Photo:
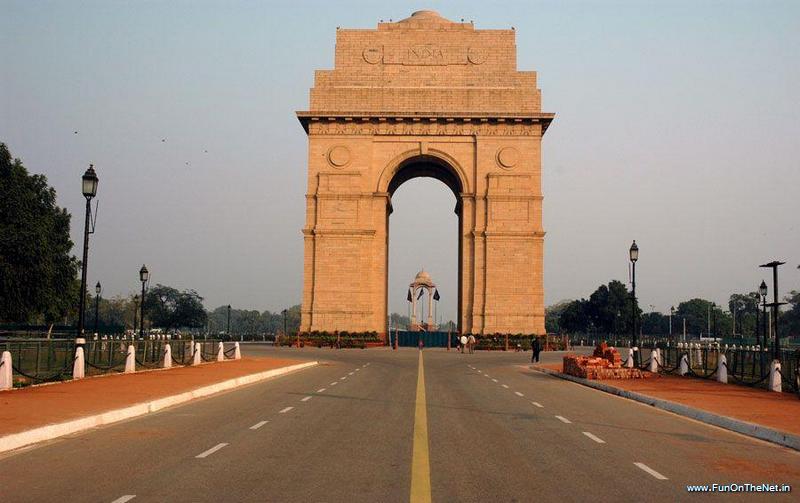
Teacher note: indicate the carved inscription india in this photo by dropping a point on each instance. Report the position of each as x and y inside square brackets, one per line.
[424, 55]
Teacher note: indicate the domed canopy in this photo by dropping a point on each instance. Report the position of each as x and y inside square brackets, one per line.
[422, 279]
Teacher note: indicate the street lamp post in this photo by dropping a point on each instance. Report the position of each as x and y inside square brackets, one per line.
[775, 305]
[762, 290]
[228, 330]
[284, 312]
[89, 189]
[634, 256]
[671, 314]
[97, 290]
[144, 275]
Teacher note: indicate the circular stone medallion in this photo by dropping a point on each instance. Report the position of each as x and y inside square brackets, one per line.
[338, 156]
[507, 157]
[373, 55]
[476, 56]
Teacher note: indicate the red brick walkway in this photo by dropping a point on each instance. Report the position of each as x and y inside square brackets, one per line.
[779, 411]
[27, 408]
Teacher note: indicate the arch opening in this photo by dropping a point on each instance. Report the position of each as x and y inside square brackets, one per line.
[426, 167]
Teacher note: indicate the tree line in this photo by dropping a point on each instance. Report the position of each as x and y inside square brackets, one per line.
[609, 310]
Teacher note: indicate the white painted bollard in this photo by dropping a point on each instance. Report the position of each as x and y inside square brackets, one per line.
[197, 349]
[6, 372]
[130, 360]
[775, 377]
[78, 366]
[722, 369]
[684, 367]
[629, 361]
[653, 367]
[220, 352]
[167, 356]
[237, 354]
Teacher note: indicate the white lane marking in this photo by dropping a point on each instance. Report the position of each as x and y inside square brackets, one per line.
[350, 373]
[258, 425]
[366, 364]
[594, 437]
[494, 380]
[518, 393]
[563, 419]
[651, 471]
[505, 386]
[320, 390]
[358, 369]
[343, 378]
[334, 383]
[123, 499]
[211, 451]
[285, 410]
[305, 399]
[538, 405]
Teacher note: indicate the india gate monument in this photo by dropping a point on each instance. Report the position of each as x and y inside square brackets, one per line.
[424, 97]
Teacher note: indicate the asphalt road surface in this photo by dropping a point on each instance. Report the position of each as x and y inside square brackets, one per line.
[382, 426]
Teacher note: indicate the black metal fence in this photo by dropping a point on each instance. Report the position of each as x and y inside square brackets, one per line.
[37, 361]
[745, 365]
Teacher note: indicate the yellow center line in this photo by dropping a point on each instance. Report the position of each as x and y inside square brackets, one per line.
[420, 463]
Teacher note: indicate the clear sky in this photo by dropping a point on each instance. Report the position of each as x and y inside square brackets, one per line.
[678, 125]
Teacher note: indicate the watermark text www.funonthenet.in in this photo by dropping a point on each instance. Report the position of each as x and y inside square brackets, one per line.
[740, 488]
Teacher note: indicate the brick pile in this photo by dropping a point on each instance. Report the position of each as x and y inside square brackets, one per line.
[605, 363]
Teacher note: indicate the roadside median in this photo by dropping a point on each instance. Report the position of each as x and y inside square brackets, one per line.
[39, 413]
[753, 412]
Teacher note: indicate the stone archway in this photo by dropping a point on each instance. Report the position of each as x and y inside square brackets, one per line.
[424, 97]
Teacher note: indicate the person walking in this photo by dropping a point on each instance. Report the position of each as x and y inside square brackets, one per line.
[536, 348]
[463, 342]
[421, 344]
[471, 343]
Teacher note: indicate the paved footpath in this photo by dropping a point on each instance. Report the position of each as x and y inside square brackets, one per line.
[379, 425]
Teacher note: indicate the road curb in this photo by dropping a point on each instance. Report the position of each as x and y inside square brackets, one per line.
[51, 431]
[750, 429]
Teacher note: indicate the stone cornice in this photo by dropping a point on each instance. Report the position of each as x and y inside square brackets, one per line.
[390, 119]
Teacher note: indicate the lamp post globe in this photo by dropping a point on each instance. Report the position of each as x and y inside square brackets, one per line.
[98, 288]
[89, 182]
[144, 276]
[634, 252]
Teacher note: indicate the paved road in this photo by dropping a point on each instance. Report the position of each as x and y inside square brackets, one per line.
[364, 426]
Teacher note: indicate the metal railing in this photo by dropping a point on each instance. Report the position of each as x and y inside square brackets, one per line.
[36, 361]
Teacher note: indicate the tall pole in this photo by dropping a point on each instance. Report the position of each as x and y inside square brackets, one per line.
[141, 314]
[82, 302]
[228, 330]
[96, 309]
[756, 329]
[775, 312]
[89, 182]
[764, 322]
[775, 305]
[633, 313]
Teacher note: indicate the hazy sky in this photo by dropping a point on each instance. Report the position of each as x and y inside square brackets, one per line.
[678, 125]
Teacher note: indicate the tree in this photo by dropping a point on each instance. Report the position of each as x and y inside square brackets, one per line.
[400, 321]
[166, 307]
[575, 317]
[552, 315]
[38, 276]
[790, 320]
